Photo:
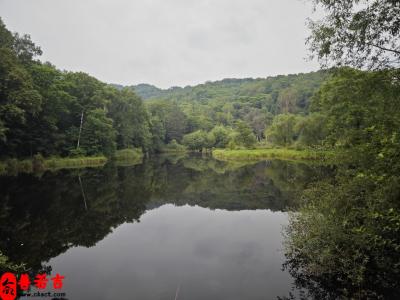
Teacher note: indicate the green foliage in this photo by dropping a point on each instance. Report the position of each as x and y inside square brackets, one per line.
[197, 140]
[7, 266]
[223, 103]
[12, 166]
[263, 154]
[244, 137]
[76, 162]
[360, 106]
[18, 100]
[347, 237]
[128, 157]
[283, 130]
[312, 130]
[130, 119]
[98, 134]
[172, 121]
[147, 91]
[77, 152]
[53, 112]
[45, 110]
[221, 136]
[358, 33]
[345, 242]
[26, 166]
[173, 146]
[157, 131]
[38, 163]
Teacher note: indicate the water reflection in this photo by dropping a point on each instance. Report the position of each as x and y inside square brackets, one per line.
[209, 253]
[206, 255]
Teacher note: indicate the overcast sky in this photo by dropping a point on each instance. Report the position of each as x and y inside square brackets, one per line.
[167, 42]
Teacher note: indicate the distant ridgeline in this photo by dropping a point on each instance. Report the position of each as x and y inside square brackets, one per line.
[301, 86]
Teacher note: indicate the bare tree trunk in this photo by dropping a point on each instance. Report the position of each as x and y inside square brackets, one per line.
[83, 192]
[80, 131]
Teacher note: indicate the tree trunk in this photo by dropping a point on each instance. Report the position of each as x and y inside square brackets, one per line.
[80, 131]
[83, 192]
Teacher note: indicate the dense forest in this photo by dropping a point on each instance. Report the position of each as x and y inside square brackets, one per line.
[345, 242]
[52, 112]
[231, 112]
[59, 113]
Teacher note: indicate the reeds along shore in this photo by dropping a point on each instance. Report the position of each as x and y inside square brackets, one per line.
[278, 153]
[38, 163]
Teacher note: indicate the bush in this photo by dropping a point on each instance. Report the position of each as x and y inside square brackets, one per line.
[38, 163]
[25, 166]
[174, 146]
[51, 163]
[245, 136]
[232, 145]
[196, 140]
[12, 166]
[77, 152]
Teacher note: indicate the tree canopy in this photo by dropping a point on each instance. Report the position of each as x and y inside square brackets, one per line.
[52, 112]
[357, 33]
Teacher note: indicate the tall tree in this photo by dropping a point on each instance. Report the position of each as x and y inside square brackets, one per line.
[98, 134]
[283, 130]
[131, 119]
[357, 33]
[245, 136]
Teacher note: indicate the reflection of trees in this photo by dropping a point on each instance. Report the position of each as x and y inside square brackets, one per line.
[344, 243]
[216, 184]
[43, 217]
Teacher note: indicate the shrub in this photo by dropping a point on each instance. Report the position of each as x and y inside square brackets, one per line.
[25, 166]
[77, 152]
[38, 163]
[12, 166]
[174, 146]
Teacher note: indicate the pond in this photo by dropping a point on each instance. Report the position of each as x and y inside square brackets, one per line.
[180, 227]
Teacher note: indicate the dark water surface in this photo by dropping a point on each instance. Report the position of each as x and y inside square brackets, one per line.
[170, 228]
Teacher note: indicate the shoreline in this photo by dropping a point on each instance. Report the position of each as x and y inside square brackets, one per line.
[15, 166]
[272, 153]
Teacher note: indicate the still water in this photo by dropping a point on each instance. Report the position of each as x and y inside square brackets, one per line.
[168, 228]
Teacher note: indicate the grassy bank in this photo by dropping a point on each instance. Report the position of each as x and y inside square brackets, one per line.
[14, 166]
[262, 154]
[74, 162]
[39, 164]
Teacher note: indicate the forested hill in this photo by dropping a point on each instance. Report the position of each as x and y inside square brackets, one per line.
[228, 108]
[301, 86]
[147, 91]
